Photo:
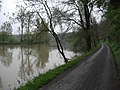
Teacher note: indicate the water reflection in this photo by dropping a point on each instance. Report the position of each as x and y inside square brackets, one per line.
[0, 83]
[25, 66]
[42, 53]
[20, 64]
[32, 57]
[5, 56]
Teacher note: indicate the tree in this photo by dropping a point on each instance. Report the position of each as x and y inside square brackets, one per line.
[103, 30]
[41, 33]
[76, 41]
[115, 3]
[113, 17]
[21, 18]
[43, 10]
[80, 13]
[28, 21]
[5, 31]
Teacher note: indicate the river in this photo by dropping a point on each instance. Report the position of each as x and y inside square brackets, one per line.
[19, 64]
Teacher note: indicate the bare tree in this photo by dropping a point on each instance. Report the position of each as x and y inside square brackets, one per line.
[47, 13]
[28, 21]
[21, 18]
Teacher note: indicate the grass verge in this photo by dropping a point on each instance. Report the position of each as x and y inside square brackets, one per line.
[43, 79]
[116, 52]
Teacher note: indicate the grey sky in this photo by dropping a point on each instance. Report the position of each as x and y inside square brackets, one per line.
[9, 7]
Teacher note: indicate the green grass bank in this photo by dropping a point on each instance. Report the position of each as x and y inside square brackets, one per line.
[43, 79]
[116, 52]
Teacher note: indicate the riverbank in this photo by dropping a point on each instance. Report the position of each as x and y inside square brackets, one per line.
[43, 79]
[22, 43]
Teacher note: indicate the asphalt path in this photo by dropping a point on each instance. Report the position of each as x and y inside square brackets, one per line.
[98, 72]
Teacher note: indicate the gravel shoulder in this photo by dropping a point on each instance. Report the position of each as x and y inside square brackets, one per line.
[98, 72]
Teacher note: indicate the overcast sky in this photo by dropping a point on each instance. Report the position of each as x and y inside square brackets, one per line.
[9, 7]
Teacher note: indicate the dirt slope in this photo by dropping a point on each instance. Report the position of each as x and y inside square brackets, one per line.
[98, 72]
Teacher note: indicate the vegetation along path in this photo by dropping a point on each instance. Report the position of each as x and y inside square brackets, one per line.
[98, 72]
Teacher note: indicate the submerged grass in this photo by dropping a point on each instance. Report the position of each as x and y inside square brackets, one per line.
[43, 79]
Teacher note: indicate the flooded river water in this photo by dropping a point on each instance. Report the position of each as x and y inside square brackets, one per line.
[19, 64]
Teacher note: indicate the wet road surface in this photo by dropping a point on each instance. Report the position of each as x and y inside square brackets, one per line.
[98, 72]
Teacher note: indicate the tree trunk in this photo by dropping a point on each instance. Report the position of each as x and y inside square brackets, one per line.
[87, 29]
[59, 46]
[21, 31]
[88, 41]
[3, 38]
[93, 39]
[51, 30]
[28, 38]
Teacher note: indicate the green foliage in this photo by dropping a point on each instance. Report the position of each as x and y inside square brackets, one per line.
[76, 41]
[43, 79]
[6, 38]
[113, 16]
[11, 39]
[41, 34]
[5, 31]
[116, 52]
[6, 27]
[103, 30]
